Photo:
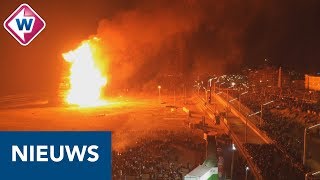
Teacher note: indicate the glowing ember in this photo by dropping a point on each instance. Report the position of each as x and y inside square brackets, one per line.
[86, 79]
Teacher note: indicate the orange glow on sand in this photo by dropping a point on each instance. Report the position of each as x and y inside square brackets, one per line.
[86, 78]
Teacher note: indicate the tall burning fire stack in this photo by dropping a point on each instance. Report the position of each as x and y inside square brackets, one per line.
[86, 78]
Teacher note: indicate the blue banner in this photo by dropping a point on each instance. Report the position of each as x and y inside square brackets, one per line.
[55, 155]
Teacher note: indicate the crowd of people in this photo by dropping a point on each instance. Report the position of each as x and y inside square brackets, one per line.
[282, 113]
[271, 162]
[158, 157]
[284, 119]
[287, 133]
[240, 170]
[286, 112]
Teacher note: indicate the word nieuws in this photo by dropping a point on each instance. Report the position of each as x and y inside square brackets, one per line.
[42, 153]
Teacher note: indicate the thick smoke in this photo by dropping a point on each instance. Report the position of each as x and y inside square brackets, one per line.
[175, 37]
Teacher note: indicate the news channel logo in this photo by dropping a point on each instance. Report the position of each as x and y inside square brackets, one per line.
[55, 155]
[24, 24]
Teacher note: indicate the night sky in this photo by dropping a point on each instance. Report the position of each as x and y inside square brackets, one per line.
[216, 36]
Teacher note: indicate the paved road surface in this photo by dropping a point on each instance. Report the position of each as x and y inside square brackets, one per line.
[235, 123]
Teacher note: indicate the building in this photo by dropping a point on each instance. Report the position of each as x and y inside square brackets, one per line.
[312, 82]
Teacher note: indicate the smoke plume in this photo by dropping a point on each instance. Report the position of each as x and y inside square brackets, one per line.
[185, 37]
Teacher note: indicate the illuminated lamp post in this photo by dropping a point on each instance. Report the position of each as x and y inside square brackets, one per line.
[232, 85]
[210, 86]
[247, 124]
[240, 100]
[220, 85]
[247, 169]
[214, 86]
[261, 111]
[304, 141]
[232, 162]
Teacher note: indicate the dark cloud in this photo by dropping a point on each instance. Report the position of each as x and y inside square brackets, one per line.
[285, 32]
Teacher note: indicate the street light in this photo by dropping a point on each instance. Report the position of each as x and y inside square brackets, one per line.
[228, 102]
[234, 147]
[233, 100]
[210, 85]
[305, 139]
[214, 84]
[232, 162]
[206, 94]
[198, 88]
[239, 99]
[159, 88]
[247, 124]
[228, 91]
[262, 111]
[247, 169]
[220, 85]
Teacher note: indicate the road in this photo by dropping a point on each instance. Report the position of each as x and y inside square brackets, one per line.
[235, 124]
[237, 128]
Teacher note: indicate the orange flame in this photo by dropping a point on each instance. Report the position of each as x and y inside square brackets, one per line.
[86, 80]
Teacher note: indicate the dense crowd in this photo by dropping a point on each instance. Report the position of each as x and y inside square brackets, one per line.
[157, 157]
[240, 170]
[283, 120]
[284, 100]
[281, 113]
[272, 163]
[287, 133]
